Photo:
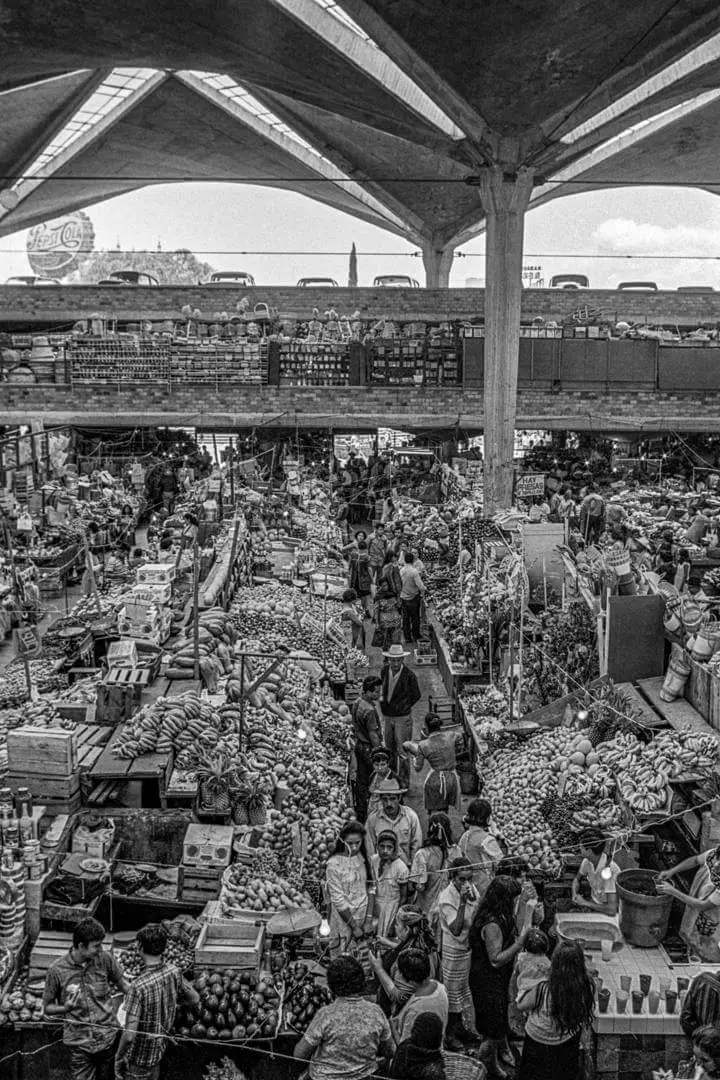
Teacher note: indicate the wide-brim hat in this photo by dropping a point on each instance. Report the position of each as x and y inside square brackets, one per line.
[389, 786]
[396, 652]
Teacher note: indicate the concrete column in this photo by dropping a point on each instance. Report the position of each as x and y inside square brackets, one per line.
[438, 263]
[505, 198]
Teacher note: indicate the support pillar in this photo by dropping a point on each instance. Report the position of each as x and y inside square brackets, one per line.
[505, 198]
[438, 264]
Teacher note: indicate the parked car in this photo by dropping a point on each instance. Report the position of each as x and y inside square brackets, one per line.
[233, 277]
[31, 279]
[317, 283]
[569, 281]
[394, 281]
[700, 289]
[637, 286]
[129, 277]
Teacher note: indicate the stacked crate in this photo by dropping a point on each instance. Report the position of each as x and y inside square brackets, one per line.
[45, 760]
[207, 850]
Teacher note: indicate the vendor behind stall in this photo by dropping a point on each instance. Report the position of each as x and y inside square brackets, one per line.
[700, 926]
[599, 871]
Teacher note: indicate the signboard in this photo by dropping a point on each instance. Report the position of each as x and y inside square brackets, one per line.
[55, 248]
[529, 485]
[27, 642]
[532, 277]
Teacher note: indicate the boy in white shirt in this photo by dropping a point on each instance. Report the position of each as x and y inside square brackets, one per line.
[599, 871]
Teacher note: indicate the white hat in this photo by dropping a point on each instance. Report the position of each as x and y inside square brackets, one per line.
[396, 652]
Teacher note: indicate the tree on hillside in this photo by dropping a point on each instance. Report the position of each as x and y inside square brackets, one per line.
[352, 269]
[179, 267]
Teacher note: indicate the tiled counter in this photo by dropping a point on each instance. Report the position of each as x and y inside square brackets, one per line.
[630, 1045]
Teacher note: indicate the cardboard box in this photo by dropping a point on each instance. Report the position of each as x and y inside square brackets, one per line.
[122, 654]
[155, 574]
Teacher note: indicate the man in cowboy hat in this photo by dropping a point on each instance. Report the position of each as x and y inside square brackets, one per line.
[395, 818]
[400, 691]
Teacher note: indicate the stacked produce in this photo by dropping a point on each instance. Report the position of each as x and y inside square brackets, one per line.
[21, 1005]
[234, 1005]
[303, 996]
[13, 683]
[167, 723]
[216, 634]
[258, 887]
[642, 769]
[567, 655]
[180, 950]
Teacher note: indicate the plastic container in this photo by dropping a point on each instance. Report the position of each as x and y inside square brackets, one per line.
[677, 675]
[643, 918]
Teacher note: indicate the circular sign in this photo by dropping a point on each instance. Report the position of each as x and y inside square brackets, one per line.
[55, 248]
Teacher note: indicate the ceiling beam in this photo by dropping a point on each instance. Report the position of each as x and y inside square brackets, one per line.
[25, 187]
[326, 170]
[417, 227]
[66, 113]
[475, 128]
[372, 61]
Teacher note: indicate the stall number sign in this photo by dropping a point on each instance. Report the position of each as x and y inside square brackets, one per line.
[27, 642]
[529, 485]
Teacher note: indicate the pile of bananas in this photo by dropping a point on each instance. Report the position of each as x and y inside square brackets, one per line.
[605, 815]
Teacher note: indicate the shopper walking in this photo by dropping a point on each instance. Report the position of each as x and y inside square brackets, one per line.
[411, 596]
[479, 846]
[377, 548]
[346, 885]
[390, 878]
[150, 1009]
[427, 872]
[558, 1009]
[400, 693]
[78, 989]
[367, 737]
[437, 749]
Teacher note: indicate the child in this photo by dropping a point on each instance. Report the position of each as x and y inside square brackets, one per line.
[351, 621]
[599, 871]
[531, 967]
[390, 875]
[380, 758]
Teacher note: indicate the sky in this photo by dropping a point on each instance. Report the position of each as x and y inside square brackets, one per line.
[227, 226]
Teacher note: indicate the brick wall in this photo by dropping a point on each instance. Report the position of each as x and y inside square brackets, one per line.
[353, 408]
[68, 303]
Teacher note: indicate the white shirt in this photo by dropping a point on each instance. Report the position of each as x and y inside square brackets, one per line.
[600, 887]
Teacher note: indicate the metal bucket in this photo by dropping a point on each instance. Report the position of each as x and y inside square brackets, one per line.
[643, 918]
[627, 585]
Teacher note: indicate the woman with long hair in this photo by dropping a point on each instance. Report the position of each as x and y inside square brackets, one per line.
[457, 905]
[706, 1050]
[495, 942]
[558, 1009]
[427, 872]
[346, 886]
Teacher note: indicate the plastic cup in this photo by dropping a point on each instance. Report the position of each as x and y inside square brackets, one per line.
[671, 1001]
[621, 1000]
[653, 1001]
[637, 1001]
[682, 983]
[603, 1000]
[606, 948]
[645, 984]
[626, 983]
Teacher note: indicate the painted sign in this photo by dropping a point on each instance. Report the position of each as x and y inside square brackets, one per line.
[55, 248]
[529, 485]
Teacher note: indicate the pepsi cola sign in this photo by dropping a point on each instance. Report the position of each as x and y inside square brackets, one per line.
[55, 248]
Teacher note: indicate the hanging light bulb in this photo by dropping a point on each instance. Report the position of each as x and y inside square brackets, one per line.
[301, 733]
[606, 873]
[324, 929]
[583, 714]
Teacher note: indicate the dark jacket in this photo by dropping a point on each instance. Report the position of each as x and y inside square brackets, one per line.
[702, 1003]
[360, 578]
[407, 693]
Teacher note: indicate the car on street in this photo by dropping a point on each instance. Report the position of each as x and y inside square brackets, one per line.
[233, 277]
[395, 281]
[317, 283]
[129, 277]
[26, 280]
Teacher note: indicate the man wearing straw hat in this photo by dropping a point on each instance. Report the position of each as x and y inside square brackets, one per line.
[400, 692]
[393, 817]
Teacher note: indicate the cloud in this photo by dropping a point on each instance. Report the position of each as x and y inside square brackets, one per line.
[628, 237]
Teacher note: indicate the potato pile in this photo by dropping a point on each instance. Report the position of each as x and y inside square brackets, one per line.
[244, 888]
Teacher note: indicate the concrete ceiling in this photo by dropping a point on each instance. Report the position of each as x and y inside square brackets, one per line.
[394, 110]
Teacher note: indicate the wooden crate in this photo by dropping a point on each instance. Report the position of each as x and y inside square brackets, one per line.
[44, 789]
[42, 751]
[230, 952]
[697, 688]
[73, 710]
[198, 886]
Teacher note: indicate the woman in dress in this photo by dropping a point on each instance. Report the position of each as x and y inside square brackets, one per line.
[437, 748]
[427, 872]
[479, 846]
[386, 614]
[558, 1009]
[495, 943]
[457, 905]
[346, 882]
[700, 926]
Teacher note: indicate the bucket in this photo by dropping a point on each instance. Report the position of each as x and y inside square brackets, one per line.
[691, 615]
[707, 641]
[676, 675]
[643, 917]
[627, 585]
